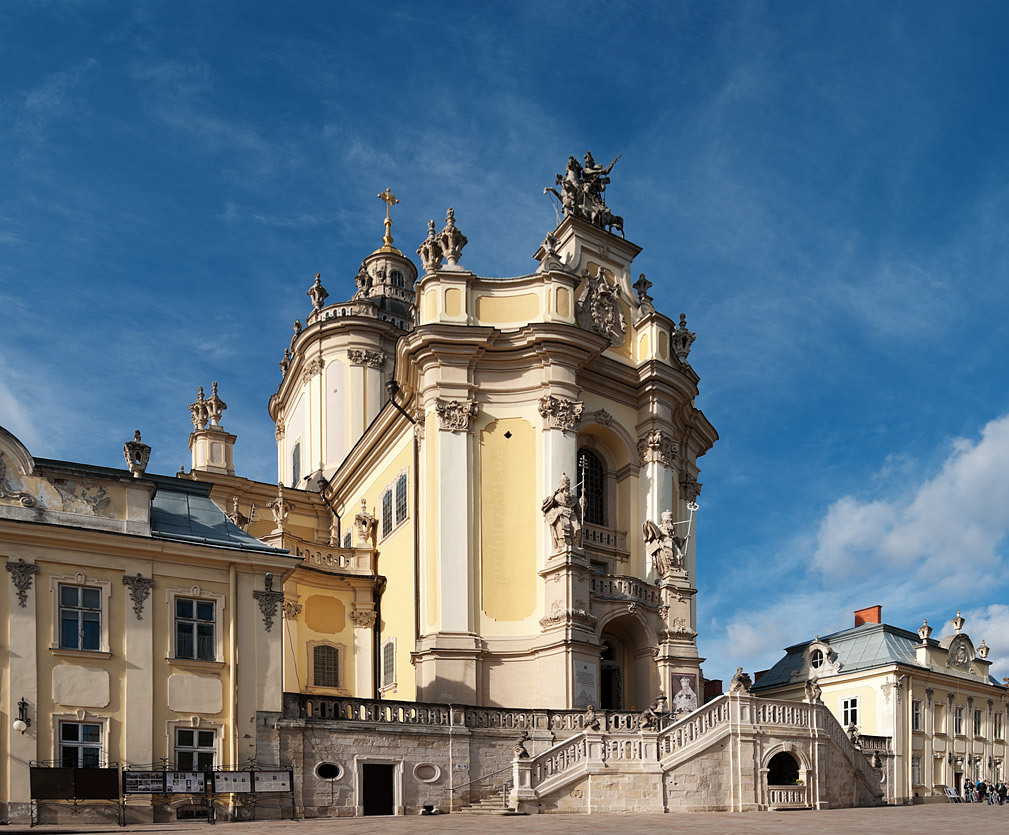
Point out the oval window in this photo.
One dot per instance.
(426, 772)
(328, 771)
(816, 659)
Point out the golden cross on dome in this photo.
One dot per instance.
(390, 200)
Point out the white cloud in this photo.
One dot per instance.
(959, 516)
(991, 623)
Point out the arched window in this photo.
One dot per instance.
(592, 486)
(325, 666)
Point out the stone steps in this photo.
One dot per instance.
(487, 806)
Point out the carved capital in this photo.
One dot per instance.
(312, 367)
(268, 601)
(560, 413)
(290, 610)
(21, 575)
(363, 618)
(455, 415)
(140, 589)
(657, 447)
(690, 487)
(373, 359)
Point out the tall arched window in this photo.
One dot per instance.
(592, 486)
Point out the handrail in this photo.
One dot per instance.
(478, 779)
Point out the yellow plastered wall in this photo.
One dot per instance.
(395, 561)
(866, 689)
(508, 526)
(324, 618)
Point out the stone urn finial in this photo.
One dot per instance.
(137, 455)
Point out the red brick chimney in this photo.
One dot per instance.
(874, 614)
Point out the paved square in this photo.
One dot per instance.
(911, 820)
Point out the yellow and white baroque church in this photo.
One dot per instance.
(423, 425)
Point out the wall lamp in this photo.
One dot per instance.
(24, 721)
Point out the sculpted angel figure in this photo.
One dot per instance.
(564, 516)
(664, 545)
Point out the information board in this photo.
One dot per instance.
(185, 782)
(272, 781)
(143, 782)
(232, 782)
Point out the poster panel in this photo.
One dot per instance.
(684, 690)
(232, 782)
(272, 781)
(96, 784)
(143, 782)
(185, 782)
(585, 684)
(52, 783)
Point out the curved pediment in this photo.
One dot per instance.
(16, 453)
(960, 651)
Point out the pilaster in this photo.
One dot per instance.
(22, 641)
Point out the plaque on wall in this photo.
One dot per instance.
(232, 782)
(185, 782)
(272, 781)
(143, 782)
(585, 685)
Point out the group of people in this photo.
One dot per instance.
(985, 791)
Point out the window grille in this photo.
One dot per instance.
(296, 464)
(386, 512)
(326, 666)
(401, 498)
(389, 663)
(592, 487)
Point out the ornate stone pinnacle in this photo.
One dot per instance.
(958, 622)
(641, 287)
(137, 455)
(682, 339)
(452, 240)
(215, 406)
(317, 293)
(390, 200)
(198, 410)
(430, 250)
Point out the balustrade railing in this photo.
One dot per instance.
(791, 714)
(605, 539)
(559, 758)
(695, 725)
(623, 587)
(788, 797)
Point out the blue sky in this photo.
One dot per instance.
(822, 188)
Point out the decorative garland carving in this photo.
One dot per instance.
(560, 413)
(268, 601)
(568, 617)
(455, 415)
(374, 359)
(140, 589)
(21, 575)
(657, 447)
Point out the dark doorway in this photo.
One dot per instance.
(782, 770)
(377, 788)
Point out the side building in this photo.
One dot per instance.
(128, 596)
(928, 709)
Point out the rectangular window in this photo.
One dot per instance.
(80, 618)
(326, 666)
(386, 512)
(939, 718)
(195, 749)
(388, 663)
(916, 715)
(194, 629)
(997, 730)
(401, 498)
(958, 720)
(978, 723)
(80, 744)
(347, 540)
(849, 711)
(296, 464)
(916, 771)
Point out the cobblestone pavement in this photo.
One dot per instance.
(940, 819)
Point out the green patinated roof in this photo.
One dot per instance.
(862, 647)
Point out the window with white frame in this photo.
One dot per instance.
(978, 723)
(389, 663)
(387, 520)
(401, 490)
(958, 720)
(816, 659)
(80, 744)
(849, 711)
(916, 771)
(80, 618)
(195, 626)
(997, 720)
(916, 715)
(195, 749)
(325, 666)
